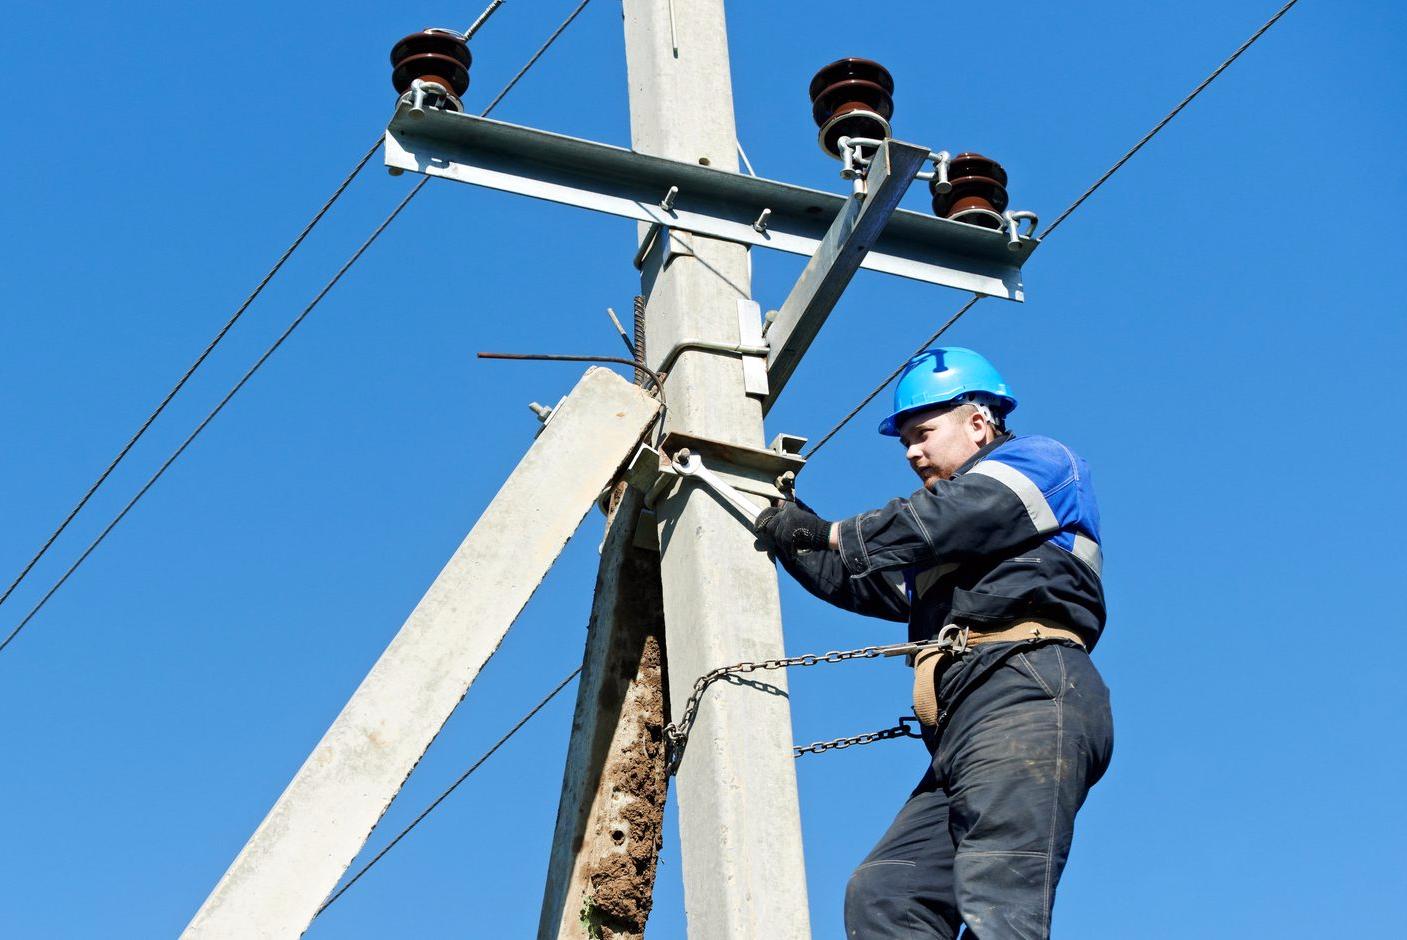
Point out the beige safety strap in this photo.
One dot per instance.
(926, 663)
(929, 662)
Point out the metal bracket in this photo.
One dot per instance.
(768, 474)
(750, 335)
(751, 347)
(860, 224)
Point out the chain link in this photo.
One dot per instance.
(676, 734)
(902, 730)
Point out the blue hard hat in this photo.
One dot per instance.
(945, 374)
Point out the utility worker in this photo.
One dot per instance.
(996, 559)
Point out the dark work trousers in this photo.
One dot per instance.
(984, 838)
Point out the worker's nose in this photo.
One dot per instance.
(913, 453)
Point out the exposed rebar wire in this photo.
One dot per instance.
(1066, 214)
(536, 55)
(478, 24)
(199, 360)
(564, 357)
(452, 787)
(1171, 114)
(269, 352)
(639, 338)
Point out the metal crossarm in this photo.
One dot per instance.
(701, 199)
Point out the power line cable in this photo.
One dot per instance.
(536, 55)
(297, 321)
(478, 24)
(274, 347)
(205, 354)
(239, 312)
(1171, 114)
(1063, 216)
(892, 376)
(941, 330)
(452, 787)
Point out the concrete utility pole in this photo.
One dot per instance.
(740, 826)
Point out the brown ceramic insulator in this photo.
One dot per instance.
(842, 69)
(851, 98)
(974, 164)
(432, 56)
(978, 182)
(852, 94)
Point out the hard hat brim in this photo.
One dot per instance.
(889, 427)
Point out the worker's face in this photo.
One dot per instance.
(938, 441)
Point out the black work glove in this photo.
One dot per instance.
(791, 528)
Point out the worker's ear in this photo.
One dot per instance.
(977, 426)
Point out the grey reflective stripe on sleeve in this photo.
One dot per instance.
(1042, 517)
(1087, 550)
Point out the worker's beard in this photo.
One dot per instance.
(929, 474)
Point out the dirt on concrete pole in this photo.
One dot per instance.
(601, 876)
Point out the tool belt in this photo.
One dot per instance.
(953, 641)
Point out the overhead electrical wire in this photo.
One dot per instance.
(892, 376)
(452, 787)
(536, 55)
(1062, 217)
(952, 320)
(1171, 114)
(258, 363)
(199, 360)
(267, 353)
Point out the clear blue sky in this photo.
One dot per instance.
(1219, 332)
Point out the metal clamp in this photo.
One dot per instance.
(855, 163)
(941, 161)
(768, 473)
(431, 94)
(1012, 222)
(703, 345)
(752, 347)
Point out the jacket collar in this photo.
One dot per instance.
(982, 454)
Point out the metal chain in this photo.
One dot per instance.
(676, 734)
(902, 730)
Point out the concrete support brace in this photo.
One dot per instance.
(295, 858)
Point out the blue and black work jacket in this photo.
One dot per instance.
(1013, 536)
